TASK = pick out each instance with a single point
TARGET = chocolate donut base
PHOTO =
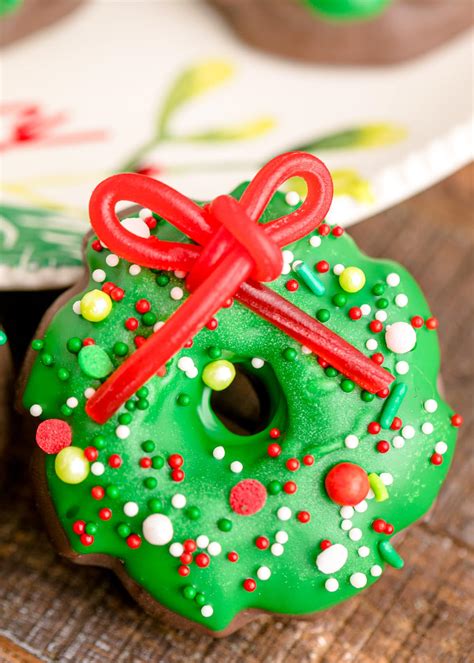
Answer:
(407, 29)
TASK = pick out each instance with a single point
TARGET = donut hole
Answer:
(245, 407)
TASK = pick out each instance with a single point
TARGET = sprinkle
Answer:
(378, 486)
(98, 275)
(122, 432)
(214, 548)
(192, 373)
(387, 478)
(207, 611)
(331, 585)
(351, 441)
(361, 507)
(281, 536)
(365, 309)
(94, 362)
(176, 549)
(390, 555)
(427, 428)
(97, 468)
(185, 363)
(315, 241)
(263, 573)
(89, 392)
(72, 402)
(112, 260)
(363, 551)
(145, 213)
(137, 226)
(441, 448)
(236, 467)
(202, 541)
(392, 404)
(346, 512)
(355, 534)
(257, 362)
(400, 337)
(376, 570)
(346, 525)
(408, 432)
(402, 367)
(381, 316)
(277, 549)
(36, 410)
(292, 198)
(53, 435)
(371, 344)
(312, 281)
(401, 300)
(284, 513)
(352, 279)
(430, 405)
(76, 307)
(398, 442)
(358, 580)
(332, 559)
(130, 509)
(218, 453)
(176, 293)
(158, 531)
(393, 280)
(247, 497)
(338, 269)
(134, 270)
(178, 501)
(219, 374)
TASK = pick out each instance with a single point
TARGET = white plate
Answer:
(107, 69)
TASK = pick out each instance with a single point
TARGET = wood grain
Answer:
(50, 611)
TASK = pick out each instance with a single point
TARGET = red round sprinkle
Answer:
(134, 541)
(228, 303)
(337, 231)
(322, 266)
(184, 571)
(273, 450)
(383, 446)
(262, 542)
(250, 585)
(97, 246)
(417, 321)
(436, 459)
(290, 487)
(88, 341)
(396, 423)
(142, 306)
(175, 461)
(212, 324)
(52, 435)
(292, 285)
(107, 287)
(379, 525)
(202, 560)
(308, 460)
(189, 545)
(248, 497)
(389, 528)
(151, 222)
(275, 433)
(189, 344)
(115, 461)
(177, 475)
(457, 420)
(432, 323)
(324, 229)
(117, 294)
(292, 464)
(105, 513)
(186, 558)
(233, 556)
(303, 516)
(325, 544)
(373, 428)
(79, 527)
(347, 484)
(91, 454)
(383, 393)
(376, 326)
(97, 492)
(145, 462)
(87, 539)
(355, 313)
(322, 362)
(378, 358)
(139, 341)
(131, 324)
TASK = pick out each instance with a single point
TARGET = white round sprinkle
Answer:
(185, 363)
(370, 495)
(158, 325)
(315, 241)
(346, 525)
(365, 310)
(72, 402)
(207, 611)
(176, 549)
(408, 432)
(130, 509)
(441, 448)
(351, 441)
(346, 511)
(281, 536)
(286, 269)
(180, 274)
(214, 548)
(178, 501)
(402, 367)
(386, 478)
(98, 275)
(36, 410)
(305, 350)
(122, 432)
(284, 513)
(112, 260)
(218, 453)
(430, 405)
(192, 372)
(292, 198)
(145, 213)
(393, 279)
(401, 300)
(332, 559)
(158, 530)
(363, 551)
(398, 442)
(371, 344)
(76, 307)
(134, 270)
(288, 256)
(202, 541)
(361, 507)
(338, 269)
(427, 428)
(376, 570)
(263, 573)
(358, 580)
(236, 467)
(331, 585)
(137, 227)
(355, 534)
(97, 468)
(257, 362)
(176, 293)
(89, 392)
(381, 316)
(400, 337)
(277, 549)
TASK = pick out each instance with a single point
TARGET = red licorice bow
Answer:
(232, 254)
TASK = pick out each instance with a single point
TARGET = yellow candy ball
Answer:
(71, 465)
(218, 375)
(352, 279)
(95, 305)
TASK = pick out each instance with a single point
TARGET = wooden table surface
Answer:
(50, 611)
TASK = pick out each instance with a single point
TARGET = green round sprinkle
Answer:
(224, 524)
(347, 386)
(120, 349)
(37, 344)
(183, 399)
(367, 397)
(290, 354)
(155, 505)
(99, 441)
(125, 418)
(148, 446)
(149, 319)
(189, 592)
(47, 359)
(142, 404)
(4, 339)
(143, 392)
(193, 512)
(381, 303)
(162, 280)
(74, 345)
(157, 462)
(63, 374)
(150, 483)
(331, 372)
(323, 315)
(123, 530)
(214, 352)
(94, 362)
(274, 487)
(112, 491)
(378, 289)
(339, 300)
(91, 528)
(200, 599)
(131, 406)
(66, 410)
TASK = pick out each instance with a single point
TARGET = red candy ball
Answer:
(250, 585)
(383, 446)
(292, 285)
(134, 541)
(292, 464)
(290, 487)
(457, 420)
(248, 497)
(322, 266)
(376, 326)
(202, 560)
(417, 321)
(262, 542)
(347, 484)
(303, 516)
(308, 460)
(233, 556)
(436, 459)
(142, 306)
(355, 313)
(97, 492)
(273, 450)
(275, 433)
(184, 571)
(175, 461)
(373, 428)
(379, 525)
(325, 544)
(79, 527)
(105, 514)
(53, 435)
(432, 323)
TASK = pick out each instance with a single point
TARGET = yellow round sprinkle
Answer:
(218, 375)
(352, 279)
(95, 305)
(71, 465)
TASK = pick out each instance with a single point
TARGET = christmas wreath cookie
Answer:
(347, 31)
(236, 409)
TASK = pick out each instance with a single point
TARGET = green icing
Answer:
(314, 408)
(7, 6)
(348, 9)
